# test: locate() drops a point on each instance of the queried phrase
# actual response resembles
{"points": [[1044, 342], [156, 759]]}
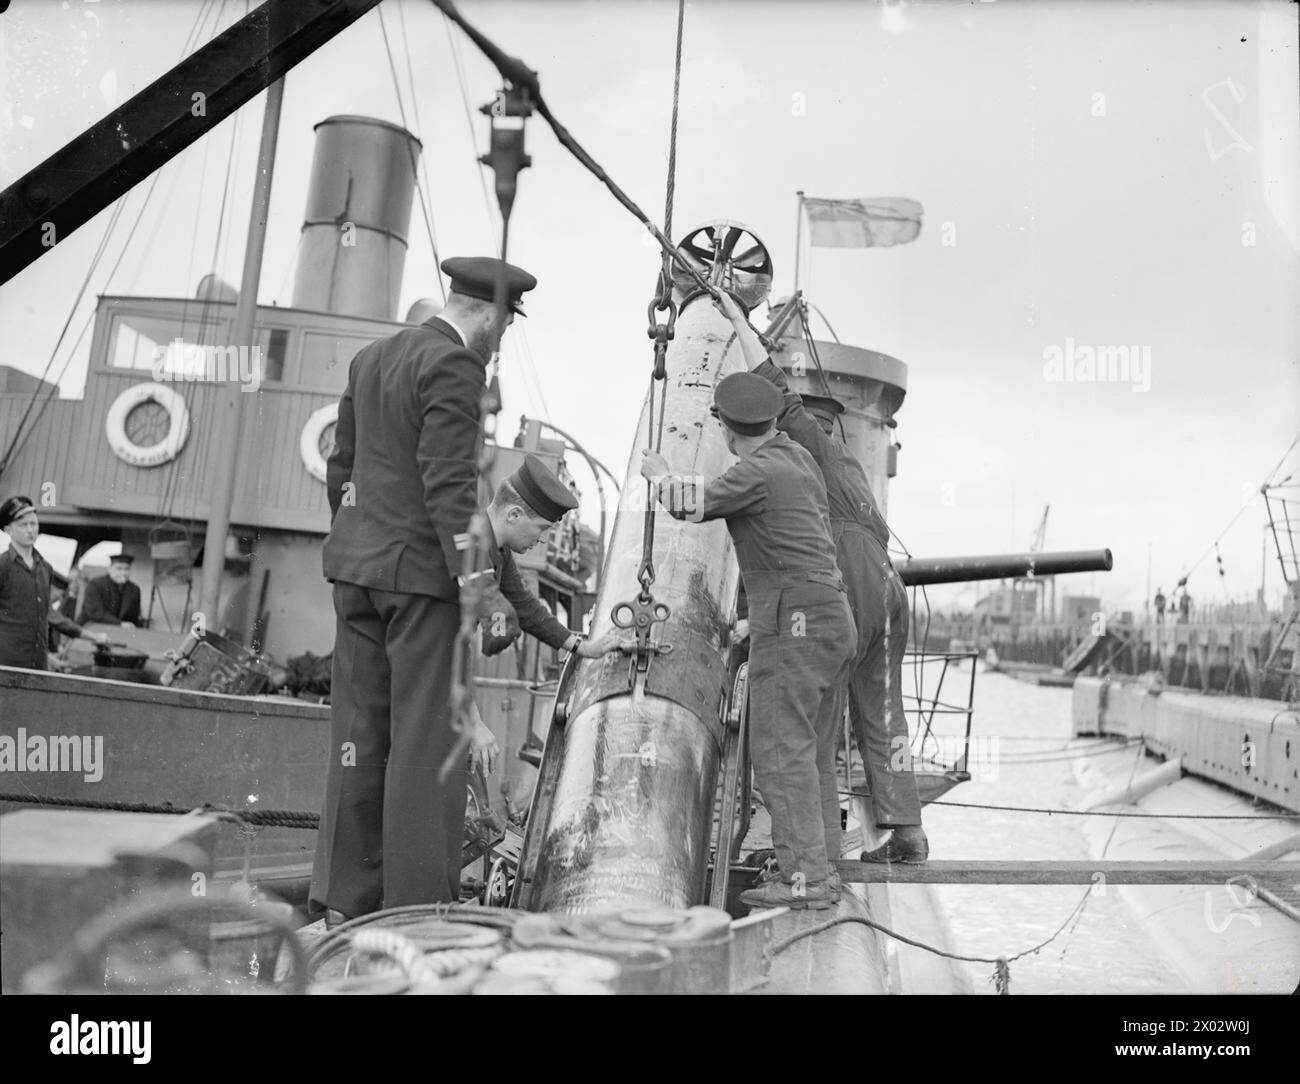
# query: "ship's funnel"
{"points": [[353, 244]]}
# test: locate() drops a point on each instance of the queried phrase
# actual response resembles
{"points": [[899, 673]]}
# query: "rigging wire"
{"points": [[81, 292], [1218, 538], [17, 444], [415, 169], [824, 320], [469, 123], [419, 128]]}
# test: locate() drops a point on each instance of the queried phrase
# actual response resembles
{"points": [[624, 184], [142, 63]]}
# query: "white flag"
{"points": [[863, 223]]}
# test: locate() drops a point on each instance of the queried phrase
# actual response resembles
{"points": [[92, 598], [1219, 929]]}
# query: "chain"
{"points": [[506, 158]]}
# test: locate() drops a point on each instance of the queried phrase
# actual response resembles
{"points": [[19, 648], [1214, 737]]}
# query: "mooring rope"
{"points": [[256, 818]]}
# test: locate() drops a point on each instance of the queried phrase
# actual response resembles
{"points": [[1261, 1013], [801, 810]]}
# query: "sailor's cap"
{"points": [[746, 403], [14, 508], [476, 276], [544, 493]]}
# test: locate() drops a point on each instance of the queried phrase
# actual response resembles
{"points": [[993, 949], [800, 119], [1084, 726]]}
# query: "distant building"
{"points": [[1010, 600], [1078, 609]]}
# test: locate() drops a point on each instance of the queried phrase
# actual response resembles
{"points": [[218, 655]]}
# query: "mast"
{"points": [[227, 427], [798, 237]]}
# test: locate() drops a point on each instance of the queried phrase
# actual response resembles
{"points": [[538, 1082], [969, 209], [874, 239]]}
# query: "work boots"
{"points": [[772, 872], [817, 896], [335, 918], [907, 844]]}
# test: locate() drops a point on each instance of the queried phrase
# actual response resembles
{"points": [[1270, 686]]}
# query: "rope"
{"points": [[1001, 964], [258, 818], [1151, 816]]}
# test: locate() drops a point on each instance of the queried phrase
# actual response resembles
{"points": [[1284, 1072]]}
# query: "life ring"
{"points": [[309, 442], [167, 449]]}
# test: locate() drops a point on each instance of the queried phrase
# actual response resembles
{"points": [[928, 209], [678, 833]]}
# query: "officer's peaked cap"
{"points": [[476, 276], [747, 403], [544, 493]]}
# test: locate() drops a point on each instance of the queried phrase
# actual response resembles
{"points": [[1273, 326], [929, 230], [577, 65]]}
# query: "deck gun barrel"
{"points": [[926, 570]]}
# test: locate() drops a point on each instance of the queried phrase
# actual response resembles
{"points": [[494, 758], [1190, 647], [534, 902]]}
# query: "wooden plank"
{"points": [[1045, 872]]}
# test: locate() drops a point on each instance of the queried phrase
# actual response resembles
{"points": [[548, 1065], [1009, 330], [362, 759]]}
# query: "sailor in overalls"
{"points": [[878, 599], [801, 632]]}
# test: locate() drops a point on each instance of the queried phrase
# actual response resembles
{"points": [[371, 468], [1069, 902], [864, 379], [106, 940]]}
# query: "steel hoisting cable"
{"points": [[516, 72], [661, 333], [672, 134]]}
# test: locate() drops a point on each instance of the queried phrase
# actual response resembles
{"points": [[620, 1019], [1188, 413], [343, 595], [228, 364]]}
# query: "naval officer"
{"points": [[801, 632], [525, 506], [113, 599], [877, 598], [402, 483]]}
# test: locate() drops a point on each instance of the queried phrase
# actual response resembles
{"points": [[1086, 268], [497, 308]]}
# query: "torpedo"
{"points": [[627, 813]]}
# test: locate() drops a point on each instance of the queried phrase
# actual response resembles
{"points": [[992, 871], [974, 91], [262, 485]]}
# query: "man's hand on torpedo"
{"points": [[601, 645], [484, 752], [730, 308], [653, 465]]}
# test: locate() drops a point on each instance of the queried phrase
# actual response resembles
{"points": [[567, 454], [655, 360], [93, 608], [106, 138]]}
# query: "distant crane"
{"points": [[1034, 586], [1040, 532]]}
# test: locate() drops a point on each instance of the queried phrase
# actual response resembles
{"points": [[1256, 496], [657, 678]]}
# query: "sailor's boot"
{"points": [[814, 896], [906, 844]]}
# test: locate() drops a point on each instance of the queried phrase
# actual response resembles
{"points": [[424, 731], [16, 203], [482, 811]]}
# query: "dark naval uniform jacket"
{"points": [[402, 483], [401, 500], [107, 602], [534, 618], [25, 614]]}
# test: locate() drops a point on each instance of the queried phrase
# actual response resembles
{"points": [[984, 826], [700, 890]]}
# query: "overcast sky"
{"points": [[1122, 174]]}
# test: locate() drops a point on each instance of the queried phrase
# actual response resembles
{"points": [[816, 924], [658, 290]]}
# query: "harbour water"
{"points": [[1021, 731]]}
